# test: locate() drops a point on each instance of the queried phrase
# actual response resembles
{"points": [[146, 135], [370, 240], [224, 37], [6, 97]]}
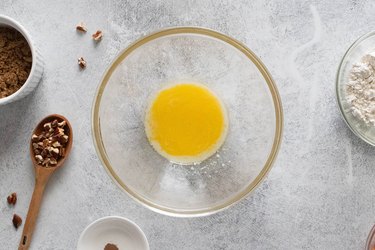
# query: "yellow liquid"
{"points": [[186, 123]]}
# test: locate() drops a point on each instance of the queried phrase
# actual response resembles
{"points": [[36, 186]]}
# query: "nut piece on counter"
{"points": [[81, 62], [97, 36], [12, 199], [81, 27], [49, 145], [17, 221]]}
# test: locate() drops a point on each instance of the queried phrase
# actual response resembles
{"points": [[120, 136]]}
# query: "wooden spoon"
{"points": [[42, 175]]}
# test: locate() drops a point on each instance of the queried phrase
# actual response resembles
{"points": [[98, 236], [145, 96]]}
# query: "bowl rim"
{"points": [[17, 26], [351, 48], [100, 149], [114, 217], [370, 237]]}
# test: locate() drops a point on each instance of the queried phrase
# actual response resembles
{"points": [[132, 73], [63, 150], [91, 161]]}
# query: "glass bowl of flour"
{"points": [[355, 87]]}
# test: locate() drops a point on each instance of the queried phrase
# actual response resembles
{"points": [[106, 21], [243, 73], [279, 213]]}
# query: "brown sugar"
{"points": [[15, 61]]}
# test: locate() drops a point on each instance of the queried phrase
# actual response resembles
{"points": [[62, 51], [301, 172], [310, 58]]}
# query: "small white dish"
{"points": [[37, 66], [116, 230]]}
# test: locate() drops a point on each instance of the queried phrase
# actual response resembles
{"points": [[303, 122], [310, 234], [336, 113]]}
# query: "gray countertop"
{"points": [[318, 194]]}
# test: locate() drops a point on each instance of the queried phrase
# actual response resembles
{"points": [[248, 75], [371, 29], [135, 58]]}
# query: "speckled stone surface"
{"points": [[319, 195]]}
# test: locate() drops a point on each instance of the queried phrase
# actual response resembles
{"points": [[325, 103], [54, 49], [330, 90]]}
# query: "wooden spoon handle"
{"points": [[32, 215]]}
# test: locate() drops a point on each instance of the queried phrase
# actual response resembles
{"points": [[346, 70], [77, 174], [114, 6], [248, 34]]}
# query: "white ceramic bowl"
{"points": [[122, 232], [36, 67]]}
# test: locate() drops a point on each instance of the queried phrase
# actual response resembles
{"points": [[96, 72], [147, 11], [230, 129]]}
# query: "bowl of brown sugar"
{"points": [[21, 66]]}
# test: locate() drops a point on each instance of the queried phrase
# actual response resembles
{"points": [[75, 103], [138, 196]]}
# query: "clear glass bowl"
{"points": [[229, 69], [356, 51]]}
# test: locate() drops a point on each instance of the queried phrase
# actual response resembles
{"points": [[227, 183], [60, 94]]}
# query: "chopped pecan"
{"points": [[34, 138], [53, 161], [97, 36], [61, 124], [49, 145], [39, 158], [64, 139], [46, 161], [45, 142], [35, 145], [54, 123], [54, 151], [81, 63], [12, 199], [17, 221], [47, 126], [81, 27]]}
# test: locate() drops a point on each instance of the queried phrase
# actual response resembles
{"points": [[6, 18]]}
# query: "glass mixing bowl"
{"points": [[356, 51], [178, 55]]}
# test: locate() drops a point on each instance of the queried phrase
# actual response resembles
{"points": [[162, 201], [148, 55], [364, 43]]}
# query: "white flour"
{"points": [[360, 89]]}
